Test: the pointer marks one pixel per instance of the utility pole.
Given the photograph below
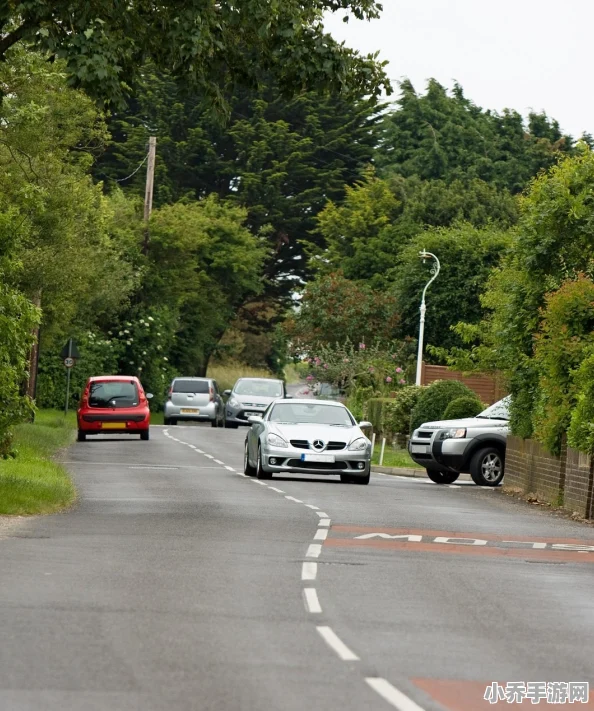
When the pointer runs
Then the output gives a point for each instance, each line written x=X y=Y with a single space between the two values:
x=148 y=193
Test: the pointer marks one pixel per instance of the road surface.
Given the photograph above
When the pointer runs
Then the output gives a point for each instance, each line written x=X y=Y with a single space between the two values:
x=178 y=584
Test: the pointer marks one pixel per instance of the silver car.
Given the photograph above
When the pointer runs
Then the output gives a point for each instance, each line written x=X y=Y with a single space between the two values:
x=194 y=399
x=250 y=396
x=308 y=437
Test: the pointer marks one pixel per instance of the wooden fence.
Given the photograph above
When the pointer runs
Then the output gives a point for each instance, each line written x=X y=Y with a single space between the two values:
x=488 y=388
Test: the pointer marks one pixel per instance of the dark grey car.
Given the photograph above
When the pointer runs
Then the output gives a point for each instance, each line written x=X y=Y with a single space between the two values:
x=194 y=399
x=251 y=396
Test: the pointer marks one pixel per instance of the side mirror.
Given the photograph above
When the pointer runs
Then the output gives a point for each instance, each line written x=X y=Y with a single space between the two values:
x=226 y=393
x=364 y=425
x=288 y=397
x=149 y=396
x=254 y=419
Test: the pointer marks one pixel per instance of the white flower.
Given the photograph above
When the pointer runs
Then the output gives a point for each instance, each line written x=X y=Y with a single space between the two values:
x=126 y=332
x=131 y=362
x=158 y=334
x=165 y=358
x=128 y=323
x=141 y=320
x=139 y=369
x=159 y=348
x=129 y=343
x=150 y=318
x=143 y=352
x=121 y=333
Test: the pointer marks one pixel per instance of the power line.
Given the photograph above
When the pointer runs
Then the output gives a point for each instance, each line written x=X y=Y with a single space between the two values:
x=121 y=180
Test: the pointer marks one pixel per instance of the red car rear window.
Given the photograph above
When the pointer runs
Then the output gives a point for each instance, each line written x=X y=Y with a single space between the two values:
x=113 y=393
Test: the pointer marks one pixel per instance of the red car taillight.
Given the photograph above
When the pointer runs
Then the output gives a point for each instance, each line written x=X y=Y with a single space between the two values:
x=170 y=393
x=212 y=397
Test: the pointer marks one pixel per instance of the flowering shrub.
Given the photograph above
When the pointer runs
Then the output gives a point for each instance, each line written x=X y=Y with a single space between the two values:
x=367 y=365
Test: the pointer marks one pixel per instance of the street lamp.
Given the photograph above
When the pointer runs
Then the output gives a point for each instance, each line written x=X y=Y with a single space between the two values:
x=434 y=272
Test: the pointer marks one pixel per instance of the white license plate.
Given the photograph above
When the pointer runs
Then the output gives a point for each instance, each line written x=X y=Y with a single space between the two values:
x=419 y=448
x=327 y=458
x=252 y=414
x=190 y=411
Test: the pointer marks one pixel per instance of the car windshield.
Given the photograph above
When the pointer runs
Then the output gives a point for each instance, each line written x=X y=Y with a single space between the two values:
x=261 y=388
x=498 y=411
x=113 y=393
x=190 y=386
x=316 y=414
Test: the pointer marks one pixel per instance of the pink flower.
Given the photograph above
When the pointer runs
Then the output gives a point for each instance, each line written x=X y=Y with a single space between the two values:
x=326 y=365
x=346 y=360
x=388 y=379
x=310 y=377
x=402 y=382
x=371 y=369
x=399 y=370
x=362 y=346
x=318 y=361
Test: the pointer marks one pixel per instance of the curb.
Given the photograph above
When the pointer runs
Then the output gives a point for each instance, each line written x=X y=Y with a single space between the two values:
x=399 y=471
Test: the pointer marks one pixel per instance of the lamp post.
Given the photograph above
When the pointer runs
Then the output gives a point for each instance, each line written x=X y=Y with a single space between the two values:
x=434 y=272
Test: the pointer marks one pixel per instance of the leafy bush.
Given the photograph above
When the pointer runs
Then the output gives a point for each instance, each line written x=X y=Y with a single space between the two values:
x=433 y=402
x=581 y=430
x=358 y=401
x=566 y=336
x=399 y=409
x=461 y=407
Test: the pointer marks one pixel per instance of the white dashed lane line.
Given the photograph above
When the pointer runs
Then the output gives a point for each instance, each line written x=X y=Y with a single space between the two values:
x=312 y=604
x=337 y=645
x=309 y=571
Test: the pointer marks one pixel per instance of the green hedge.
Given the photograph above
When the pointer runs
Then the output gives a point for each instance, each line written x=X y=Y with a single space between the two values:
x=434 y=400
x=391 y=416
x=461 y=407
x=581 y=430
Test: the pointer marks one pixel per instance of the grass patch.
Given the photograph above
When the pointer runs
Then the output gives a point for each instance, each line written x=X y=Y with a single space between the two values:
x=227 y=375
x=157 y=418
x=32 y=483
x=394 y=457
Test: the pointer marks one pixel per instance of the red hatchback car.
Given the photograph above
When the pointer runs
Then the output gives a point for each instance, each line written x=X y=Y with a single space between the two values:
x=116 y=404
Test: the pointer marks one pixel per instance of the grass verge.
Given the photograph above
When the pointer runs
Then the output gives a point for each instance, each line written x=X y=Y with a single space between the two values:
x=393 y=458
x=33 y=483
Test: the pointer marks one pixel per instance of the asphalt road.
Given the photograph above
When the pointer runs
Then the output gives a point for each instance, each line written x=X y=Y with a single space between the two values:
x=179 y=584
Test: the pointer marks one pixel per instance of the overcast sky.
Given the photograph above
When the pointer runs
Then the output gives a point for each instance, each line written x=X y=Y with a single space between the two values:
x=520 y=54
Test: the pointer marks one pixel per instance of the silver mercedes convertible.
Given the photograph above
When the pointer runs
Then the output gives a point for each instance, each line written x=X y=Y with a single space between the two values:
x=308 y=437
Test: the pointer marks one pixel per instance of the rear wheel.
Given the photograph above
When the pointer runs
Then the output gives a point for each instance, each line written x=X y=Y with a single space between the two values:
x=260 y=473
x=442 y=477
x=248 y=469
x=144 y=435
x=486 y=467
x=231 y=425
x=173 y=421
x=166 y=421
x=81 y=437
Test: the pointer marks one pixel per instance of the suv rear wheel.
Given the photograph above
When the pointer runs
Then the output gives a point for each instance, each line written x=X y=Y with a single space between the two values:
x=442 y=477
x=486 y=467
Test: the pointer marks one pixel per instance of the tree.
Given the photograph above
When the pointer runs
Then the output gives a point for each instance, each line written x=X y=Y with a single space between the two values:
x=279 y=159
x=467 y=256
x=441 y=136
x=334 y=309
x=210 y=45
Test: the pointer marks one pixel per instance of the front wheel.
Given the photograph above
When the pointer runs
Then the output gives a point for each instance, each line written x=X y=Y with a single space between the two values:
x=144 y=435
x=248 y=469
x=486 y=467
x=231 y=425
x=442 y=477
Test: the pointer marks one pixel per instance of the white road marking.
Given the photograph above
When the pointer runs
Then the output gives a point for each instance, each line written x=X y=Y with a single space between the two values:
x=321 y=514
x=311 y=506
x=292 y=498
x=336 y=644
x=218 y=461
x=199 y=451
x=321 y=534
x=192 y=446
x=313 y=550
x=209 y=456
x=391 y=694
x=312 y=604
x=309 y=571
x=229 y=469
x=279 y=491
x=324 y=522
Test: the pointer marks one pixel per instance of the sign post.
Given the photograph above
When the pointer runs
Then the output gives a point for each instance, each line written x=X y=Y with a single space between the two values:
x=70 y=354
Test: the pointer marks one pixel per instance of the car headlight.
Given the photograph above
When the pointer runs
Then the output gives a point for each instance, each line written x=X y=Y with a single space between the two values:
x=358 y=445
x=276 y=441
x=232 y=402
x=454 y=433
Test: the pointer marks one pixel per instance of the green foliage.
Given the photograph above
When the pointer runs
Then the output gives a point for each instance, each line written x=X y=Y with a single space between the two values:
x=17 y=319
x=357 y=400
x=441 y=136
x=334 y=309
x=566 y=336
x=434 y=400
x=208 y=45
x=467 y=256
x=462 y=407
x=391 y=416
x=581 y=430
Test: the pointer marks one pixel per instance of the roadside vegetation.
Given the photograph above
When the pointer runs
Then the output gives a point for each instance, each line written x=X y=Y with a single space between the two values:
x=31 y=482
x=394 y=457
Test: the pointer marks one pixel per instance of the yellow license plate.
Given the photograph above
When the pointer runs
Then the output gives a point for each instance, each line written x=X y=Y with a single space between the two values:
x=190 y=411
x=113 y=425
